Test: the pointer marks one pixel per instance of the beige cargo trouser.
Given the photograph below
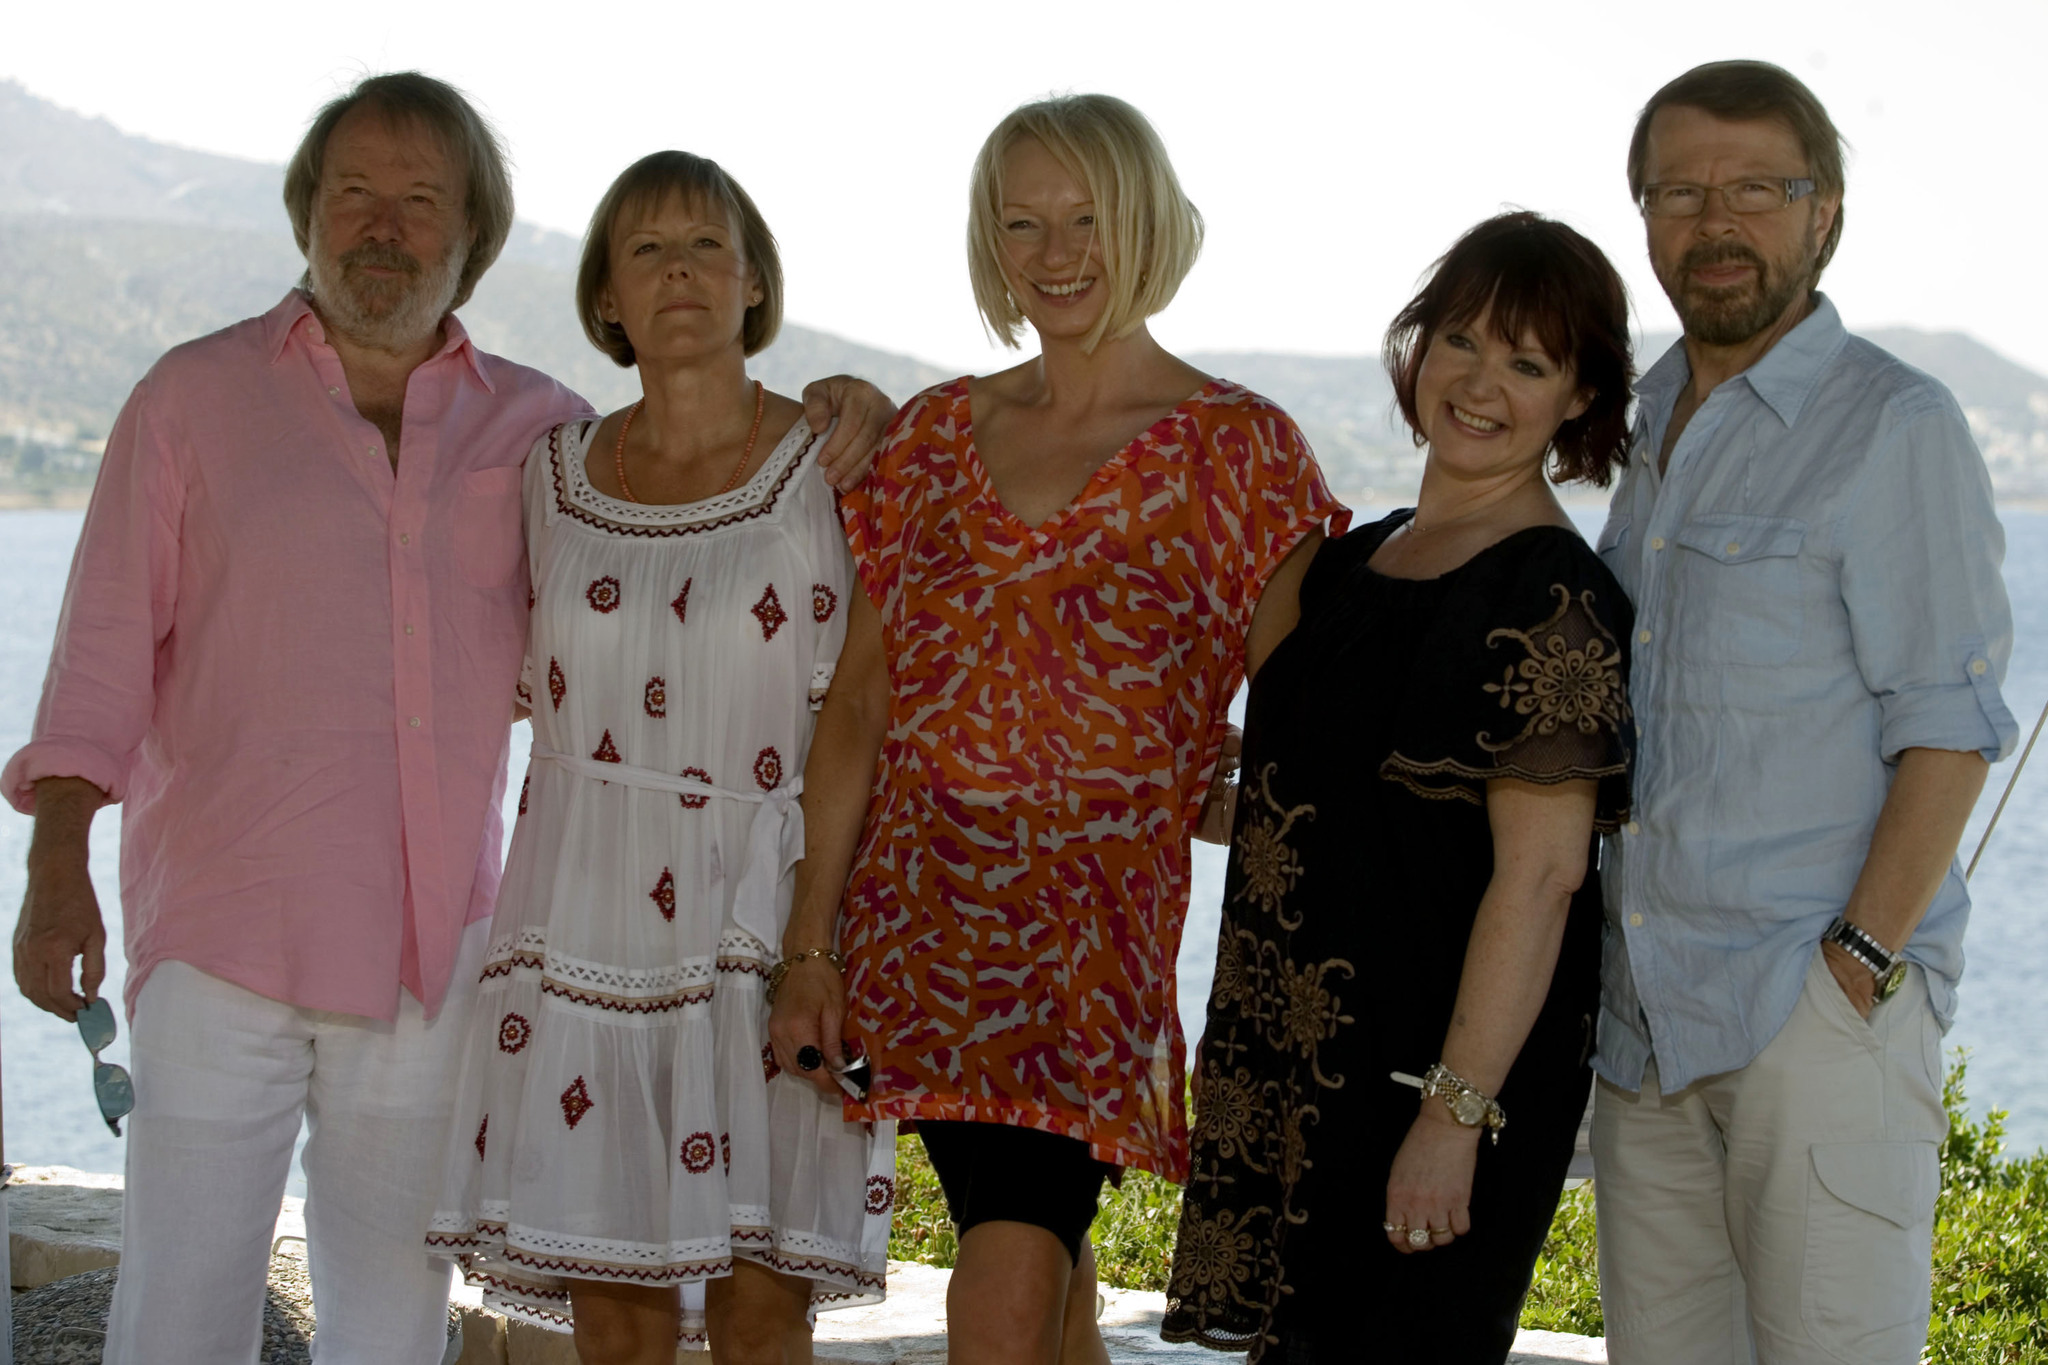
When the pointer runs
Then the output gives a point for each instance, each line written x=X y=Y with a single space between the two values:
x=1782 y=1213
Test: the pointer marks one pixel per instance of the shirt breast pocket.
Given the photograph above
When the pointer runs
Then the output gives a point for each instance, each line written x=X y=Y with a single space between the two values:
x=1736 y=589
x=490 y=542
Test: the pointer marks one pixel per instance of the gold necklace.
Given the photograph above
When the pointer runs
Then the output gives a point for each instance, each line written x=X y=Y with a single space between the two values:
x=732 y=481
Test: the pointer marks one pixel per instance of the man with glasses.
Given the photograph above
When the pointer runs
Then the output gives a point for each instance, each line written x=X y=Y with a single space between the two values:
x=1808 y=535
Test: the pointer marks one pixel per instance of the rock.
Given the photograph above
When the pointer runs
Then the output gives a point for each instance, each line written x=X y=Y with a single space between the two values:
x=61 y=1222
x=65 y=1321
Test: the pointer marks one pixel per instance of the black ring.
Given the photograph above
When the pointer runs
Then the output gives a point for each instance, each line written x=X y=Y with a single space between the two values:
x=809 y=1058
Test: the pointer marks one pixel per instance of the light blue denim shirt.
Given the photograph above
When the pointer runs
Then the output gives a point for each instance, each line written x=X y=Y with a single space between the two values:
x=1816 y=584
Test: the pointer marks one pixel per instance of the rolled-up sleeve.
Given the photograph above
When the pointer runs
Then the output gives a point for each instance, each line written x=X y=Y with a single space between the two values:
x=1921 y=549
x=100 y=694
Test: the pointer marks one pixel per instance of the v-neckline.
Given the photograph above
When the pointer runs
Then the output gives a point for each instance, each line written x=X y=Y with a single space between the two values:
x=971 y=460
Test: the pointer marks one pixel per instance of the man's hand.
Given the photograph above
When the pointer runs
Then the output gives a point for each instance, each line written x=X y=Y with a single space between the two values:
x=1857 y=981
x=60 y=915
x=1219 y=807
x=863 y=412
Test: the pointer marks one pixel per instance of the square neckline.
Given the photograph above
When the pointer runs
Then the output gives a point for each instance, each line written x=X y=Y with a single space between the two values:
x=758 y=496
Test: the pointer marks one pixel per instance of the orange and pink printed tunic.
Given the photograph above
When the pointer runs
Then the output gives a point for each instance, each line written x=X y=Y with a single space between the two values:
x=1057 y=703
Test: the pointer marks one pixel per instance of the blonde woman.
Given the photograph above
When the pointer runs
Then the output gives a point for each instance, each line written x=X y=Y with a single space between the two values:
x=1068 y=568
x=620 y=1130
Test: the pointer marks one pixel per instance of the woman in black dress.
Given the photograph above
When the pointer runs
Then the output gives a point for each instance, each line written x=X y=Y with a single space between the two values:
x=1427 y=759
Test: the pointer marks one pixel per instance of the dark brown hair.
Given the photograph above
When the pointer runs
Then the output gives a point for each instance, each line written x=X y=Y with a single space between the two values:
x=1746 y=92
x=409 y=97
x=699 y=180
x=1538 y=277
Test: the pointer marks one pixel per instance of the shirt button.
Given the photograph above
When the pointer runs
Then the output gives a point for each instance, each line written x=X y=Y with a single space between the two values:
x=1643 y=636
x=404 y=538
x=372 y=449
x=333 y=392
x=1635 y=921
x=414 y=722
x=408 y=627
x=1977 y=666
x=1657 y=542
x=1734 y=548
x=1633 y=828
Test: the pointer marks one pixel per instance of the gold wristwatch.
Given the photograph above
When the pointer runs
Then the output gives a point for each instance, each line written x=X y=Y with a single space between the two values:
x=1468 y=1105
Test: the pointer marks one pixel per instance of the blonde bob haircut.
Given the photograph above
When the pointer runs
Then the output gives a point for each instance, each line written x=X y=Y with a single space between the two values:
x=1148 y=232
x=702 y=183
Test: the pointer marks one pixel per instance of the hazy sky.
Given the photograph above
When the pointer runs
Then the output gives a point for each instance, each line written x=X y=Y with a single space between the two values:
x=1334 y=149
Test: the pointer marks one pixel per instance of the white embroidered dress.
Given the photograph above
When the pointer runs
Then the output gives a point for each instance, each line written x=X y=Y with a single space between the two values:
x=619 y=1114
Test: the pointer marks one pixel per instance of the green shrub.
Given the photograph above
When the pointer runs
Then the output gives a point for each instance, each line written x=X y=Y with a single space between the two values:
x=1990 y=1243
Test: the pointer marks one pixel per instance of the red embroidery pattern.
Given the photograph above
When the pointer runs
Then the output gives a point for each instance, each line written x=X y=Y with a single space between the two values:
x=768 y=769
x=524 y=693
x=558 y=686
x=530 y=598
x=481 y=1129
x=576 y=1102
x=695 y=802
x=655 y=700
x=770 y=1068
x=524 y=788
x=659 y=1004
x=603 y=595
x=606 y=751
x=881 y=1194
x=513 y=1033
x=698 y=1153
x=681 y=606
x=725 y=1146
x=768 y=611
x=664 y=895
x=824 y=602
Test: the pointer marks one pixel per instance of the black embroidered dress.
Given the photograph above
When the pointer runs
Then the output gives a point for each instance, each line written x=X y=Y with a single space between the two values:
x=1360 y=854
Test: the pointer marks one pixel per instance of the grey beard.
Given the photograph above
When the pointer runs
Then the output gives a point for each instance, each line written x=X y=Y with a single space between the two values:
x=1721 y=317
x=384 y=315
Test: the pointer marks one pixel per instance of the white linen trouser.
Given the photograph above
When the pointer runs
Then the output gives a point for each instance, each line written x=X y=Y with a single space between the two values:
x=1782 y=1213
x=222 y=1076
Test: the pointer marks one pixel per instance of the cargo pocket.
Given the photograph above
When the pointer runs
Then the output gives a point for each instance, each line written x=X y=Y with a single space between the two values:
x=1737 y=597
x=1869 y=1243
x=490 y=543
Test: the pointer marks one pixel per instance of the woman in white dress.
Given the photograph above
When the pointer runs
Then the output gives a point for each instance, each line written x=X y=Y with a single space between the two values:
x=621 y=1129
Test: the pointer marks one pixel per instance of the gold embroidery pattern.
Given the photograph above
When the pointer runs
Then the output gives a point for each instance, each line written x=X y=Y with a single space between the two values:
x=1270 y=867
x=1562 y=682
x=1250 y=1133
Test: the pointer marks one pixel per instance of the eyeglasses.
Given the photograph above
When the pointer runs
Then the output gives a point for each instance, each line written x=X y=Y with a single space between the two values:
x=1680 y=200
x=110 y=1083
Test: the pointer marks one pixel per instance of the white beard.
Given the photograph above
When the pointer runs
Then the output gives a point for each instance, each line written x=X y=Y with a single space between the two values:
x=384 y=315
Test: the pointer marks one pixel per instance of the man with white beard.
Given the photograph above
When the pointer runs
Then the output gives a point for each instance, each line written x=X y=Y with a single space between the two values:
x=289 y=646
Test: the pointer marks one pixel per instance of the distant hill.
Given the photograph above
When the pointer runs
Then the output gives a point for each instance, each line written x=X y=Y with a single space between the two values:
x=116 y=248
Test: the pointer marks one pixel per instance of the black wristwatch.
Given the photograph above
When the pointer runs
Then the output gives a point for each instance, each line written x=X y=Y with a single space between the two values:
x=1888 y=967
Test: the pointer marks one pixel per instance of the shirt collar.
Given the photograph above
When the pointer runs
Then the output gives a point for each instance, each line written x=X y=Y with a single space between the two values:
x=294 y=316
x=1783 y=377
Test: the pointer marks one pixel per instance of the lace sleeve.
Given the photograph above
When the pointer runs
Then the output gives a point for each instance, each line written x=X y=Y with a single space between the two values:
x=1545 y=703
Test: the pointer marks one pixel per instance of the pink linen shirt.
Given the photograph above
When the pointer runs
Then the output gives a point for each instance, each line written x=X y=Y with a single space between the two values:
x=294 y=667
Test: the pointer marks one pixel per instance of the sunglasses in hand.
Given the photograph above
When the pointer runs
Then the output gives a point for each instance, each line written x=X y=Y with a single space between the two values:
x=110 y=1083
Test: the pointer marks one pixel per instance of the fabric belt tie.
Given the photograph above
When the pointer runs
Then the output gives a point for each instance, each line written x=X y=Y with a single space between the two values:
x=775 y=840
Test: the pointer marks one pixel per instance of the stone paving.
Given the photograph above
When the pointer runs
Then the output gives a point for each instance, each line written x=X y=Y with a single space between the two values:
x=66 y=1223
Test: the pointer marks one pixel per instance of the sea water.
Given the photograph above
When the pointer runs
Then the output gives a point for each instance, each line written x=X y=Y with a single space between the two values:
x=46 y=1075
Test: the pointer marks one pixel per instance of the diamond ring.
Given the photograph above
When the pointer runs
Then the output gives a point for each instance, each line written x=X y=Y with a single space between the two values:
x=1418 y=1237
